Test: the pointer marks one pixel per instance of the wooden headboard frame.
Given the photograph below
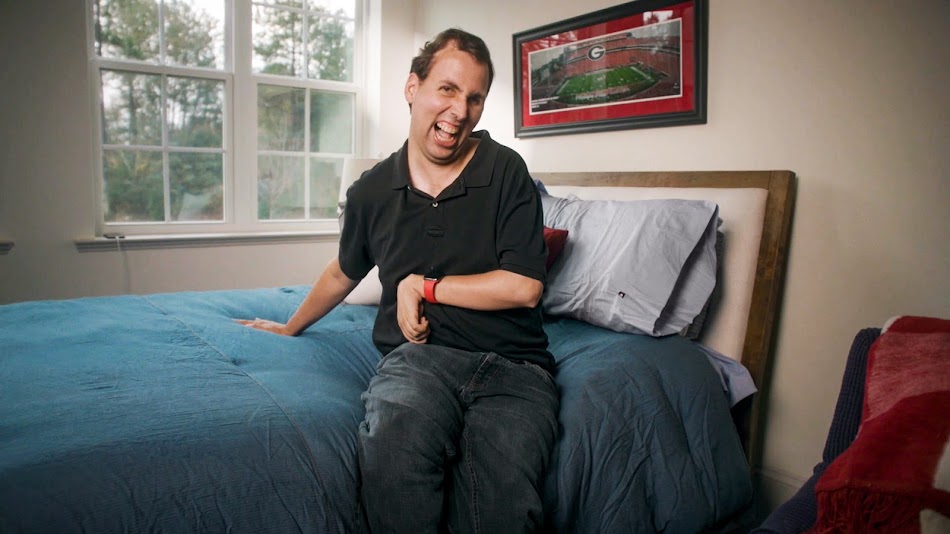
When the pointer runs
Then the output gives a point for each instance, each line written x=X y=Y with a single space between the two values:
x=769 y=271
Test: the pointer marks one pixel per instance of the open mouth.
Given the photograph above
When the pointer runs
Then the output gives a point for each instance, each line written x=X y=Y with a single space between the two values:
x=445 y=132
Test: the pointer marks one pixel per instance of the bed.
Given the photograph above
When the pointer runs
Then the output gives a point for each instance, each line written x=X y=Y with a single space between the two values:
x=158 y=412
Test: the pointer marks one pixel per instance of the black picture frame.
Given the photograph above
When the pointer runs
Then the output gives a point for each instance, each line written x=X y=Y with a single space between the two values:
x=641 y=64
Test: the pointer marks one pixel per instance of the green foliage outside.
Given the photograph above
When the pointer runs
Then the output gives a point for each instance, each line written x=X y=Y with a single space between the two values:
x=278 y=43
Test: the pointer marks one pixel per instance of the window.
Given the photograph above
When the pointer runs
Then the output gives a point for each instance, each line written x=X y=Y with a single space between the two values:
x=224 y=115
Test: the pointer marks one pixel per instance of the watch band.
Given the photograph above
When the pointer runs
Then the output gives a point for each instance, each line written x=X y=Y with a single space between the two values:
x=429 y=289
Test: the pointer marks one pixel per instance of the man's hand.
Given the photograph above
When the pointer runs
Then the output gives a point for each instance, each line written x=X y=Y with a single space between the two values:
x=267 y=326
x=409 y=309
x=328 y=291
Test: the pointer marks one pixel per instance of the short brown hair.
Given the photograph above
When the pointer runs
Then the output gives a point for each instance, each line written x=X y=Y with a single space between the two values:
x=466 y=42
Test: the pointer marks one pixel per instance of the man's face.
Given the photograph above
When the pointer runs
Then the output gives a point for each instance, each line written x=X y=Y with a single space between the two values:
x=447 y=105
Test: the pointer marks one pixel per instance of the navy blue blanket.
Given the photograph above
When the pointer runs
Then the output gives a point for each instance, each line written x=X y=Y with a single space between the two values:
x=159 y=413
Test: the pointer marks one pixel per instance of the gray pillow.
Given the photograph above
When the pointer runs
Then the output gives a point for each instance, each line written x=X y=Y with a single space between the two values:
x=643 y=266
x=695 y=328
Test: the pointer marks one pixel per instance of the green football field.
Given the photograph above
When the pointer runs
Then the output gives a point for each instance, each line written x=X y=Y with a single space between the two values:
x=618 y=77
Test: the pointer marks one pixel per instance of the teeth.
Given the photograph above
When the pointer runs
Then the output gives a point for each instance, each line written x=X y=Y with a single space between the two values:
x=447 y=128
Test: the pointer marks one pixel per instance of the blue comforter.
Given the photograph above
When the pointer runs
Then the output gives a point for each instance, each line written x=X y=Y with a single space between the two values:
x=647 y=443
x=159 y=413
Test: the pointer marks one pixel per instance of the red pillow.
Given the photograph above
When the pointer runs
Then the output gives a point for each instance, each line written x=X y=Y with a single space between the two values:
x=555 y=240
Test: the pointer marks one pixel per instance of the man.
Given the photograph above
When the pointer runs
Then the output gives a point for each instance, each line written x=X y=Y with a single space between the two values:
x=462 y=415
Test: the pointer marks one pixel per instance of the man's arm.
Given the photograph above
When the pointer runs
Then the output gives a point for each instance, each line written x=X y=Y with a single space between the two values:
x=328 y=291
x=494 y=290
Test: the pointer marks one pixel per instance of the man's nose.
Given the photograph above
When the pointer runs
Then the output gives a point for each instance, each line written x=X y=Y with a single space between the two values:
x=460 y=108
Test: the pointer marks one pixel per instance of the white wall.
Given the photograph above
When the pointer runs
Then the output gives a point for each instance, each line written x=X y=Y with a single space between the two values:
x=851 y=95
x=848 y=94
x=397 y=46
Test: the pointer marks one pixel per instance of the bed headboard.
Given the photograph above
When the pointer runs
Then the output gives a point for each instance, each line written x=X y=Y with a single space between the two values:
x=756 y=209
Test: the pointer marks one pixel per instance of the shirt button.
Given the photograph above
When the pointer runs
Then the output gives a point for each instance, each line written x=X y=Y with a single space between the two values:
x=435 y=204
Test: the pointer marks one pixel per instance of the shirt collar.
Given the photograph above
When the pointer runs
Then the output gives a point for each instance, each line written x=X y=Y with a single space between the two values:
x=477 y=173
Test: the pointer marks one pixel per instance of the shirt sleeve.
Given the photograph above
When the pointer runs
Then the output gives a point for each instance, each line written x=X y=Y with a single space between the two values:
x=520 y=239
x=354 y=255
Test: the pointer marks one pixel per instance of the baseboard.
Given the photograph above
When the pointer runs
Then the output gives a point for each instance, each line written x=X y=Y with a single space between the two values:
x=772 y=488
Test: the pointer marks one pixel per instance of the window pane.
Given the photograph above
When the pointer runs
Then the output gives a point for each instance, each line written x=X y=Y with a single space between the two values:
x=331 y=49
x=278 y=42
x=338 y=8
x=324 y=187
x=195 y=111
x=331 y=122
x=280 y=118
x=166 y=126
x=133 y=189
x=131 y=108
x=127 y=29
x=290 y=3
x=194 y=33
x=280 y=187
x=197 y=186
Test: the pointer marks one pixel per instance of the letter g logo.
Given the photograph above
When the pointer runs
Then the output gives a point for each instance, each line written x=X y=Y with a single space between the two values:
x=596 y=52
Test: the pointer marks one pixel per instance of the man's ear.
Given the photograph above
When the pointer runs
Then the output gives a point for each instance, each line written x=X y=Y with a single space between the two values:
x=412 y=85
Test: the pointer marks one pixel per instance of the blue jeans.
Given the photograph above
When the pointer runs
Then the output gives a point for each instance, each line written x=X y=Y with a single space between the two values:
x=455 y=441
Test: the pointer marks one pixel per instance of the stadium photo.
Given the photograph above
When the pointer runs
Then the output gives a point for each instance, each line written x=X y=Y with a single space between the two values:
x=633 y=65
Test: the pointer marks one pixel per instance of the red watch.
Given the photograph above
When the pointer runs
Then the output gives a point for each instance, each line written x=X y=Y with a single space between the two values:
x=431 y=280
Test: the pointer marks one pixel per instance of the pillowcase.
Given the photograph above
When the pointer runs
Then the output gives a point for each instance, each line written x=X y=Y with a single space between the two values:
x=641 y=266
x=695 y=328
x=370 y=289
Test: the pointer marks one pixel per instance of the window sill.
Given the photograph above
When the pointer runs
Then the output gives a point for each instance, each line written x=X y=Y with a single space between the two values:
x=5 y=246
x=142 y=242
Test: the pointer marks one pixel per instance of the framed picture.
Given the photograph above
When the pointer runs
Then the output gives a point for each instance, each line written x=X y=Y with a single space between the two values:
x=640 y=64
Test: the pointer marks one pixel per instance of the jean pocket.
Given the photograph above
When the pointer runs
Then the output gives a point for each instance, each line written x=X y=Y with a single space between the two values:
x=542 y=373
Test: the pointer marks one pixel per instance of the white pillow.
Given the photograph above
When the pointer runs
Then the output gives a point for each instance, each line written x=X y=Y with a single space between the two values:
x=369 y=290
x=642 y=266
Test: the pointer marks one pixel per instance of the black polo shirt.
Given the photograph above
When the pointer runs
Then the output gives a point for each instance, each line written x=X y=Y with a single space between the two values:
x=489 y=218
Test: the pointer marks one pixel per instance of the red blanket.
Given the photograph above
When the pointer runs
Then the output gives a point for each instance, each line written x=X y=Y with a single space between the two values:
x=895 y=476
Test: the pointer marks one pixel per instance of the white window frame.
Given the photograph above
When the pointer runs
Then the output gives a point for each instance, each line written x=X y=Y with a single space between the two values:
x=239 y=133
